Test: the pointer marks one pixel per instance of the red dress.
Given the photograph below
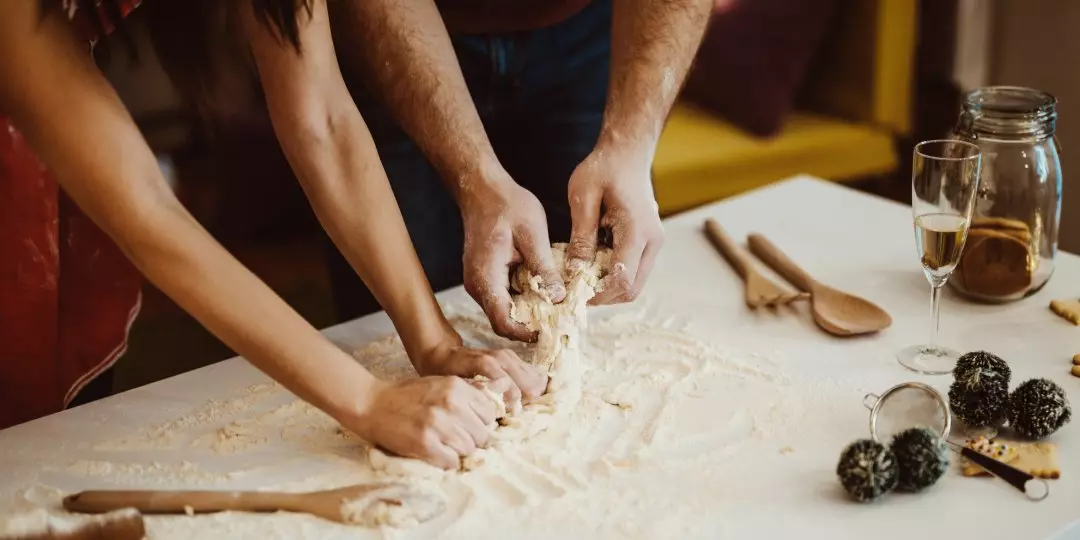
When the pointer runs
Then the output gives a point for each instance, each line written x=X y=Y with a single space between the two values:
x=68 y=295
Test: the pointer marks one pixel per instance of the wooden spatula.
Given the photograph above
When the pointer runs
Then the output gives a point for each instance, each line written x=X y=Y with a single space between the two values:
x=370 y=504
x=836 y=312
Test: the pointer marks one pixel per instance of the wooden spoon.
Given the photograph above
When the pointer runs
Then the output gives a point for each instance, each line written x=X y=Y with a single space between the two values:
x=836 y=312
x=370 y=505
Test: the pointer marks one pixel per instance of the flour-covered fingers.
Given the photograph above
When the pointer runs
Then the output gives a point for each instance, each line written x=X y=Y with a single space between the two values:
x=529 y=381
x=458 y=438
x=487 y=280
x=535 y=249
x=648 y=260
x=625 y=260
x=495 y=301
x=474 y=408
x=438 y=453
x=585 y=222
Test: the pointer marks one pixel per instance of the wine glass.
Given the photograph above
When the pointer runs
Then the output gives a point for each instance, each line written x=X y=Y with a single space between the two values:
x=944 y=183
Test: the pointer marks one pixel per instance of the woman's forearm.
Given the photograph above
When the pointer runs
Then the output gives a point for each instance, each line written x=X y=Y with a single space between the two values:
x=334 y=157
x=75 y=123
x=185 y=262
x=343 y=177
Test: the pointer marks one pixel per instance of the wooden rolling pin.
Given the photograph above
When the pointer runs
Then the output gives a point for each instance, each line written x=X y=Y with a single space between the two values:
x=355 y=505
x=123 y=524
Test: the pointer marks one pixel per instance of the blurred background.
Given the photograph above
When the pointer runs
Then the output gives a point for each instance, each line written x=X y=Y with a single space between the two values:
x=841 y=89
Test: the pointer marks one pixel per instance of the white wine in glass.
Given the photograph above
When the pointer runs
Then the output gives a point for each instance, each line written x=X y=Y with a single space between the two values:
x=940 y=239
x=944 y=184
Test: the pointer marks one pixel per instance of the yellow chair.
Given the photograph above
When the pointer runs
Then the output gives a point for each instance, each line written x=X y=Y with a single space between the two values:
x=858 y=101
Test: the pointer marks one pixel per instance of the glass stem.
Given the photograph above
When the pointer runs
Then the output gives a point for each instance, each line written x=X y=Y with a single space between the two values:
x=935 y=305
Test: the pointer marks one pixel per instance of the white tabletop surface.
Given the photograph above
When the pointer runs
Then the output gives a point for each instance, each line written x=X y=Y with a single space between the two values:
x=847 y=239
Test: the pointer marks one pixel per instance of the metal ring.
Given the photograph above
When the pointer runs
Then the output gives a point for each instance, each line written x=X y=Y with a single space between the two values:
x=1037 y=497
x=927 y=388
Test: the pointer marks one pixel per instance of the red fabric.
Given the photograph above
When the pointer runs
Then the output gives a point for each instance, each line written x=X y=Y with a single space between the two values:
x=67 y=294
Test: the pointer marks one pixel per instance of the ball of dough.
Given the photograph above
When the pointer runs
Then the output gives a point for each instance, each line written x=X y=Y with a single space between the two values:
x=1038 y=408
x=974 y=366
x=981 y=403
x=867 y=470
x=921 y=457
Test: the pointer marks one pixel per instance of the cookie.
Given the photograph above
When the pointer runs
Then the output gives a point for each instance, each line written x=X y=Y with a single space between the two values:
x=1076 y=359
x=1075 y=371
x=998 y=223
x=1037 y=459
x=1005 y=453
x=1068 y=310
x=994 y=263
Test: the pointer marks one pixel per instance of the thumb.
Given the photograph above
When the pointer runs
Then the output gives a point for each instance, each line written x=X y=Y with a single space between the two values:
x=585 y=217
x=537 y=257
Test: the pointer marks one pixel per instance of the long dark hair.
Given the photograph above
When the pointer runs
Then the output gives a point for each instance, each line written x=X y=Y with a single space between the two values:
x=280 y=15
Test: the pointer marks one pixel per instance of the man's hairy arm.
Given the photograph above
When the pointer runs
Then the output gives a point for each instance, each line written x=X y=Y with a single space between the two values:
x=653 y=43
x=405 y=52
x=407 y=56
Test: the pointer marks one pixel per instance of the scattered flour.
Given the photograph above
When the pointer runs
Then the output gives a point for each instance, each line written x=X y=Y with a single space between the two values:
x=641 y=438
x=395 y=507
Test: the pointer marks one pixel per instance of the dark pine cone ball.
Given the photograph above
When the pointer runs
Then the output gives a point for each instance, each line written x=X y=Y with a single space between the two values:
x=1038 y=408
x=974 y=366
x=982 y=404
x=921 y=457
x=867 y=470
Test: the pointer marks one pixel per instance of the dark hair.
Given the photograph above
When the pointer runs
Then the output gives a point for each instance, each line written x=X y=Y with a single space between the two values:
x=280 y=15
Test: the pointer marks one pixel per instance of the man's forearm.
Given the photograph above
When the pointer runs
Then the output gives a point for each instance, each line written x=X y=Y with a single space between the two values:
x=405 y=51
x=653 y=43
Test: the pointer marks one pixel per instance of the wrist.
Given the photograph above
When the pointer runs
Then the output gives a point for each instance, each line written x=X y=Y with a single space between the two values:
x=352 y=395
x=476 y=183
x=353 y=411
x=627 y=146
x=423 y=353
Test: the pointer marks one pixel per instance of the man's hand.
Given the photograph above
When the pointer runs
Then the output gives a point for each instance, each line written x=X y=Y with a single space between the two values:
x=613 y=189
x=436 y=419
x=507 y=372
x=505 y=225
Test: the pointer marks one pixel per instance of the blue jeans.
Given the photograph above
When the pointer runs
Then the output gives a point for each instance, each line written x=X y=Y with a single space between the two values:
x=540 y=95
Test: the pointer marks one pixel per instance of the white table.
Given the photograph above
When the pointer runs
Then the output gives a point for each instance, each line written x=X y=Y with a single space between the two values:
x=857 y=242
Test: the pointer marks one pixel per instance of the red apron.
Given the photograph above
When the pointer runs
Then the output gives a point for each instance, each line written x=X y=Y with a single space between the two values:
x=68 y=295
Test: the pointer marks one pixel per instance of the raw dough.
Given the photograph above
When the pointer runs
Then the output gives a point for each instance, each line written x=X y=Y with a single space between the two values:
x=559 y=328
x=402 y=507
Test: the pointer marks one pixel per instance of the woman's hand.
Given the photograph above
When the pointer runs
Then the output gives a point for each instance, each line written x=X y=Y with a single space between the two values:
x=503 y=367
x=436 y=419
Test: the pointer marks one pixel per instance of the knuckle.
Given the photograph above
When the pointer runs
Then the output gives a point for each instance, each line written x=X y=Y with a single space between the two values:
x=488 y=365
x=431 y=441
x=471 y=286
x=621 y=282
x=658 y=237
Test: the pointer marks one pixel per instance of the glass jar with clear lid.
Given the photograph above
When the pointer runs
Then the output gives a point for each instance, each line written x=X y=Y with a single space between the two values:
x=1012 y=239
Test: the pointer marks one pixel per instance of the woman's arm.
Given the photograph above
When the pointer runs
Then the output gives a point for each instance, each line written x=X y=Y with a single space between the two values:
x=332 y=152
x=53 y=92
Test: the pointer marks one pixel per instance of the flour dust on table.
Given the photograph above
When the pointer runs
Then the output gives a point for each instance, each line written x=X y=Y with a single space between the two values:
x=646 y=434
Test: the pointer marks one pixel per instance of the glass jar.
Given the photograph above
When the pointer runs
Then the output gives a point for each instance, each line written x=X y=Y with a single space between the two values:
x=1012 y=240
